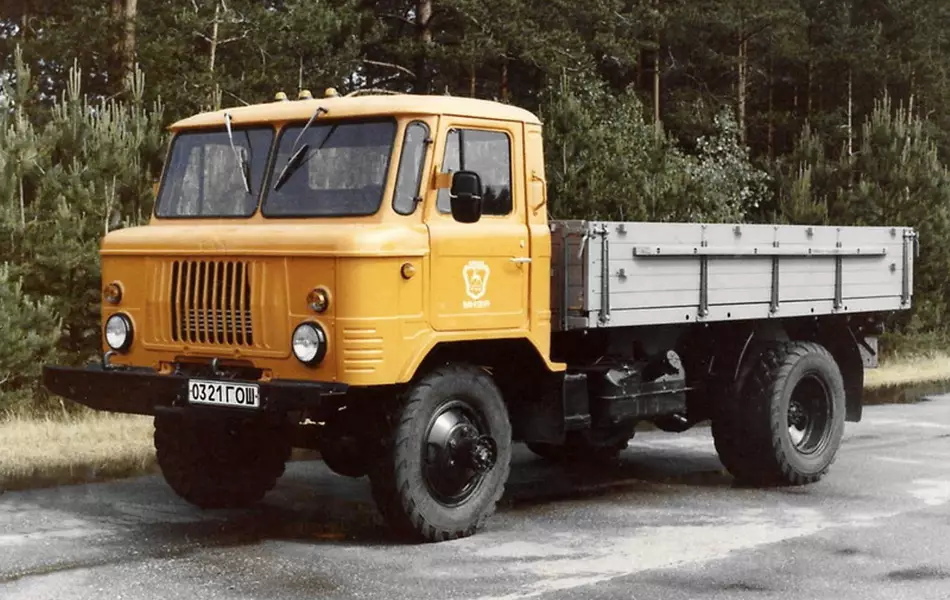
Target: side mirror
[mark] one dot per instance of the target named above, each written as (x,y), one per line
(466,197)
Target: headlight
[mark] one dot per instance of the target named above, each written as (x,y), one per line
(119,332)
(318,300)
(309,343)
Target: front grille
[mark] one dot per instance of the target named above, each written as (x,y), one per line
(211,302)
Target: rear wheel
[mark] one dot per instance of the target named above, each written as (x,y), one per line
(447,458)
(220,463)
(786,423)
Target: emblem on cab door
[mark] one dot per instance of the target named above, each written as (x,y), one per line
(476,274)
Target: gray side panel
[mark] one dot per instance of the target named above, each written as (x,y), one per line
(675,272)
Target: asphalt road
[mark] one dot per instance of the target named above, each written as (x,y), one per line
(665,523)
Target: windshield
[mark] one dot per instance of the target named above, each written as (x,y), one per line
(341,171)
(205,178)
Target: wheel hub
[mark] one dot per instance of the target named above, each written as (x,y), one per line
(457,454)
(809,415)
(797,417)
(475,453)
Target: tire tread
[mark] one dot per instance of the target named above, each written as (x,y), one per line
(390,479)
(188,456)
(747,443)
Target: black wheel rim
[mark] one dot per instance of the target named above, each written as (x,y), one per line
(810,415)
(449,477)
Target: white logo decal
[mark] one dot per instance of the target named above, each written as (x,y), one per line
(475,274)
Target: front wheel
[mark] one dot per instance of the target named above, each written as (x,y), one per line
(447,458)
(786,425)
(220,463)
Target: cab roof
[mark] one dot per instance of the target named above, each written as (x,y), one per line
(360,106)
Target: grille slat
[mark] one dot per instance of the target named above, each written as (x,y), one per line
(232,288)
(199,300)
(216,322)
(242,276)
(188,299)
(210,302)
(173,302)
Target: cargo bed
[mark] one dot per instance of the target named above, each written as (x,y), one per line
(613,274)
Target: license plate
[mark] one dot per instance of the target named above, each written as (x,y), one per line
(221,393)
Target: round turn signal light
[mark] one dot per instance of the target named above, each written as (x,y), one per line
(318,300)
(112,293)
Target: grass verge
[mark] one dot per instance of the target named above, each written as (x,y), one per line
(89,446)
(909,370)
(44,451)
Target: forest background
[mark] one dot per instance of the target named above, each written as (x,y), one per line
(785,111)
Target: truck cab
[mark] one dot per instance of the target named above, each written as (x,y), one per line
(357,238)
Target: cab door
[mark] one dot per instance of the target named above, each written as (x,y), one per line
(480,271)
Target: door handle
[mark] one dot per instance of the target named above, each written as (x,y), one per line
(521,260)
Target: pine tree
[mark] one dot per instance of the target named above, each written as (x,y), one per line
(895,177)
(67,176)
(898,178)
(805,179)
(29,332)
(728,45)
(605,160)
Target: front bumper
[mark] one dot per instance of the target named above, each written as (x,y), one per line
(145,392)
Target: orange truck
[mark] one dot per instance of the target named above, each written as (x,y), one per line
(376,277)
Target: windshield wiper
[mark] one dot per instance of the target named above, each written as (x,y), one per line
(243,167)
(295,160)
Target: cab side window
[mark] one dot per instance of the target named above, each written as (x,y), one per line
(411,162)
(487,153)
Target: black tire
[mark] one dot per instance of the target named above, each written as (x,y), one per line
(345,456)
(220,463)
(415,503)
(578,448)
(346,441)
(792,389)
